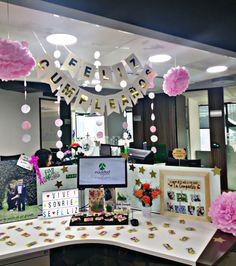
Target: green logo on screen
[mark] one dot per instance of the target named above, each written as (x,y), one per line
(102,166)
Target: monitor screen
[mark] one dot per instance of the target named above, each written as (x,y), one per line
(102,171)
(140,156)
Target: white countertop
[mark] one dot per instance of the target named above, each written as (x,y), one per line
(198,239)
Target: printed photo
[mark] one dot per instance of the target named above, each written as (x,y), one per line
(200,211)
(171,195)
(182,197)
(18,196)
(195,197)
(191,210)
(180,209)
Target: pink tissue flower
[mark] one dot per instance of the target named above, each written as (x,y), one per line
(223,212)
(15,59)
(176,81)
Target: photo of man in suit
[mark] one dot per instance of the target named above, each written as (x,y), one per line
(20,195)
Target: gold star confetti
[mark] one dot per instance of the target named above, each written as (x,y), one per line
(138,182)
(131,167)
(152,174)
(219,239)
(64,169)
(58,184)
(216,170)
(141,170)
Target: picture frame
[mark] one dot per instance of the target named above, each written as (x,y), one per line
(185,194)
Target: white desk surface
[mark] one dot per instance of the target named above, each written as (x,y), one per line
(198,239)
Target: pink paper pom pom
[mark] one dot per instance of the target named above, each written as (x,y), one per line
(176,81)
(223,212)
(15,60)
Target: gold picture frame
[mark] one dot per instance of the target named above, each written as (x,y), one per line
(185,194)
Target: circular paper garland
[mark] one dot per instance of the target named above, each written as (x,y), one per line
(153,137)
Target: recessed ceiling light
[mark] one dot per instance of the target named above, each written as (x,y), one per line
(55,15)
(216,69)
(61,39)
(159,58)
(96,25)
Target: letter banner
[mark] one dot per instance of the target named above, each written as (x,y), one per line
(119,72)
(142,83)
(72,64)
(83,100)
(68,91)
(124,100)
(56,79)
(87,72)
(105,74)
(44,65)
(98,104)
(112,104)
(133,62)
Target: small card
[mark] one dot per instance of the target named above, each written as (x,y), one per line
(167,246)
(47,222)
(165,225)
(10,243)
(38,227)
(51,229)
(28,224)
(2,233)
(115,235)
(119,227)
(84,236)
(4,238)
(57,234)
(48,240)
(70,236)
(191,251)
(190,229)
(103,233)
(11,227)
(43,234)
(184,238)
(19,229)
(25,234)
(182,221)
(148,223)
(81,228)
(64,222)
(154,228)
(151,235)
(67,228)
(99,227)
(134,239)
(31,244)
(171,232)
(132,230)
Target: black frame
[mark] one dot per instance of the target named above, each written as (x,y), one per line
(104,185)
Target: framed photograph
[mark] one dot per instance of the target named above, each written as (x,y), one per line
(185,193)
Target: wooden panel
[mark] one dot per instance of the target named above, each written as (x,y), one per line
(217,133)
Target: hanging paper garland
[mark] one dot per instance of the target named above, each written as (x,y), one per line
(59,123)
(15,60)
(153,137)
(176,81)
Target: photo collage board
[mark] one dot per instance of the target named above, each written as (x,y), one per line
(185,193)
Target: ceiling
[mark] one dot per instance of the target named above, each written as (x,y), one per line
(113,44)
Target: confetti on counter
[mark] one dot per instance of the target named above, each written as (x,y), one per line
(49,240)
(154,228)
(191,251)
(31,244)
(116,235)
(43,234)
(25,234)
(167,246)
(134,239)
(70,236)
(103,233)
(132,231)
(10,243)
(151,235)
(84,236)
(184,238)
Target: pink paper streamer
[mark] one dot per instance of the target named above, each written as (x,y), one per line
(34,161)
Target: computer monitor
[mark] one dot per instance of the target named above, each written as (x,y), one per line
(103,171)
(140,156)
(105,150)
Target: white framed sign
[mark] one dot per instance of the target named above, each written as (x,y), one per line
(60,203)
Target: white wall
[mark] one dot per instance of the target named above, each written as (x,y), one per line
(194,127)
(11,118)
